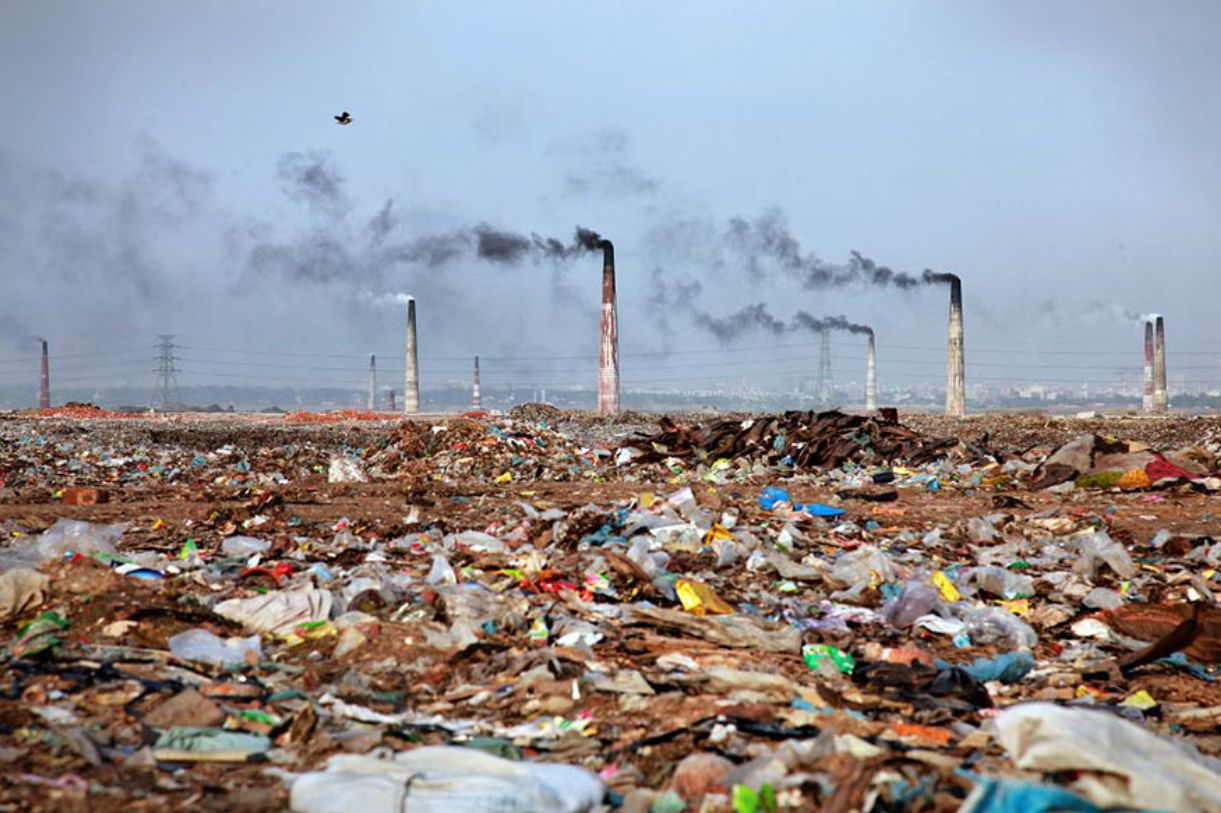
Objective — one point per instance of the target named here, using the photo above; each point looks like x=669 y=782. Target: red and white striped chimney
x=608 y=352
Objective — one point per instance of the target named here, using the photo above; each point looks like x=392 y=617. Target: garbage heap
x=403 y=631
x=485 y=450
x=797 y=440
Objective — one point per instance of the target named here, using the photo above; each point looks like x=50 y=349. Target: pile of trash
x=796 y=440
x=862 y=637
x=485 y=449
x=1093 y=461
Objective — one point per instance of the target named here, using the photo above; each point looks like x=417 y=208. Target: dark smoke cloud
x=312 y=178
x=875 y=274
x=756 y=317
x=764 y=246
x=603 y=165
x=382 y=223
x=804 y=321
x=747 y=320
x=331 y=249
x=17 y=336
x=663 y=298
x=931 y=277
x=497 y=245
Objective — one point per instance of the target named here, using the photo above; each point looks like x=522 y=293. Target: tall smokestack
x=955 y=373
x=608 y=354
x=871 y=376
x=371 y=400
x=1146 y=400
x=476 y=399
x=411 y=382
x=1161 y=399
x=44 y=379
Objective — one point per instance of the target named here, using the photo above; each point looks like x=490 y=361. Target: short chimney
x=371 y=398
x=476 y=398
x=44 y=379
x=1161 y=398
x=411 y=382
x=871 y=376
x=1146 y=400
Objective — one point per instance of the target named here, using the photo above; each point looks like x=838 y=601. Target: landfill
x=554 y=611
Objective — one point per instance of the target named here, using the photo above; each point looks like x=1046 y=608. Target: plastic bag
x=1118 y=764
x=278 y=612
x=1098 y=549
x=1000 y=582
x=1102 y=598
x=205 y=647
x=445 y=779
x=64 y=537
x=981 y=530
x=992 y=625
x=864 y=565
x=441 y=572
x=244 y=546
x=916 y=600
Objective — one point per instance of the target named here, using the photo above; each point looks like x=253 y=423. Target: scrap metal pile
x=802 y=440
x=510 y=614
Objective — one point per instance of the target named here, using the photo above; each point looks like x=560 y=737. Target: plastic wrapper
x=916 y=600
x=206 y=647
x=1000 y=582
x=993 y=625
x=445 y=779
x=1098 y=549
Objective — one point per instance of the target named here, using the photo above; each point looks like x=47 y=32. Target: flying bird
x=343 y=118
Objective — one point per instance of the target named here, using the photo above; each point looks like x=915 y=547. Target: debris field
x=551 y=611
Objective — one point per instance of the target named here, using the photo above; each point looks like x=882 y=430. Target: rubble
x=801 y=440
x=848 y=613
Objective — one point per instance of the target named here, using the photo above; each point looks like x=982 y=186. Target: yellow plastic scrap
x=647 y=499
x=1134 y=478
x=948 y=591
x=716 y=532
x=507 y=477
x=1019 y=606
x=1141 y=700
x=699 y=599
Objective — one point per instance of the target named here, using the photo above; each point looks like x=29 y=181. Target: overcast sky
x=173 y=167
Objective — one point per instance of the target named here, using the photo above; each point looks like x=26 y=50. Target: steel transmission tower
x=167 y=373
x=823 y=387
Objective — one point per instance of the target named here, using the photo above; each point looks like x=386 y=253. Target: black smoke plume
x=804 y=321
x=747 y=320
x=764 y=246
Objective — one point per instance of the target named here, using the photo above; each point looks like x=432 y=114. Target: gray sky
x=1060 y=156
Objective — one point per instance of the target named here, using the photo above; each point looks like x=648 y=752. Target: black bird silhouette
x=344 y=118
